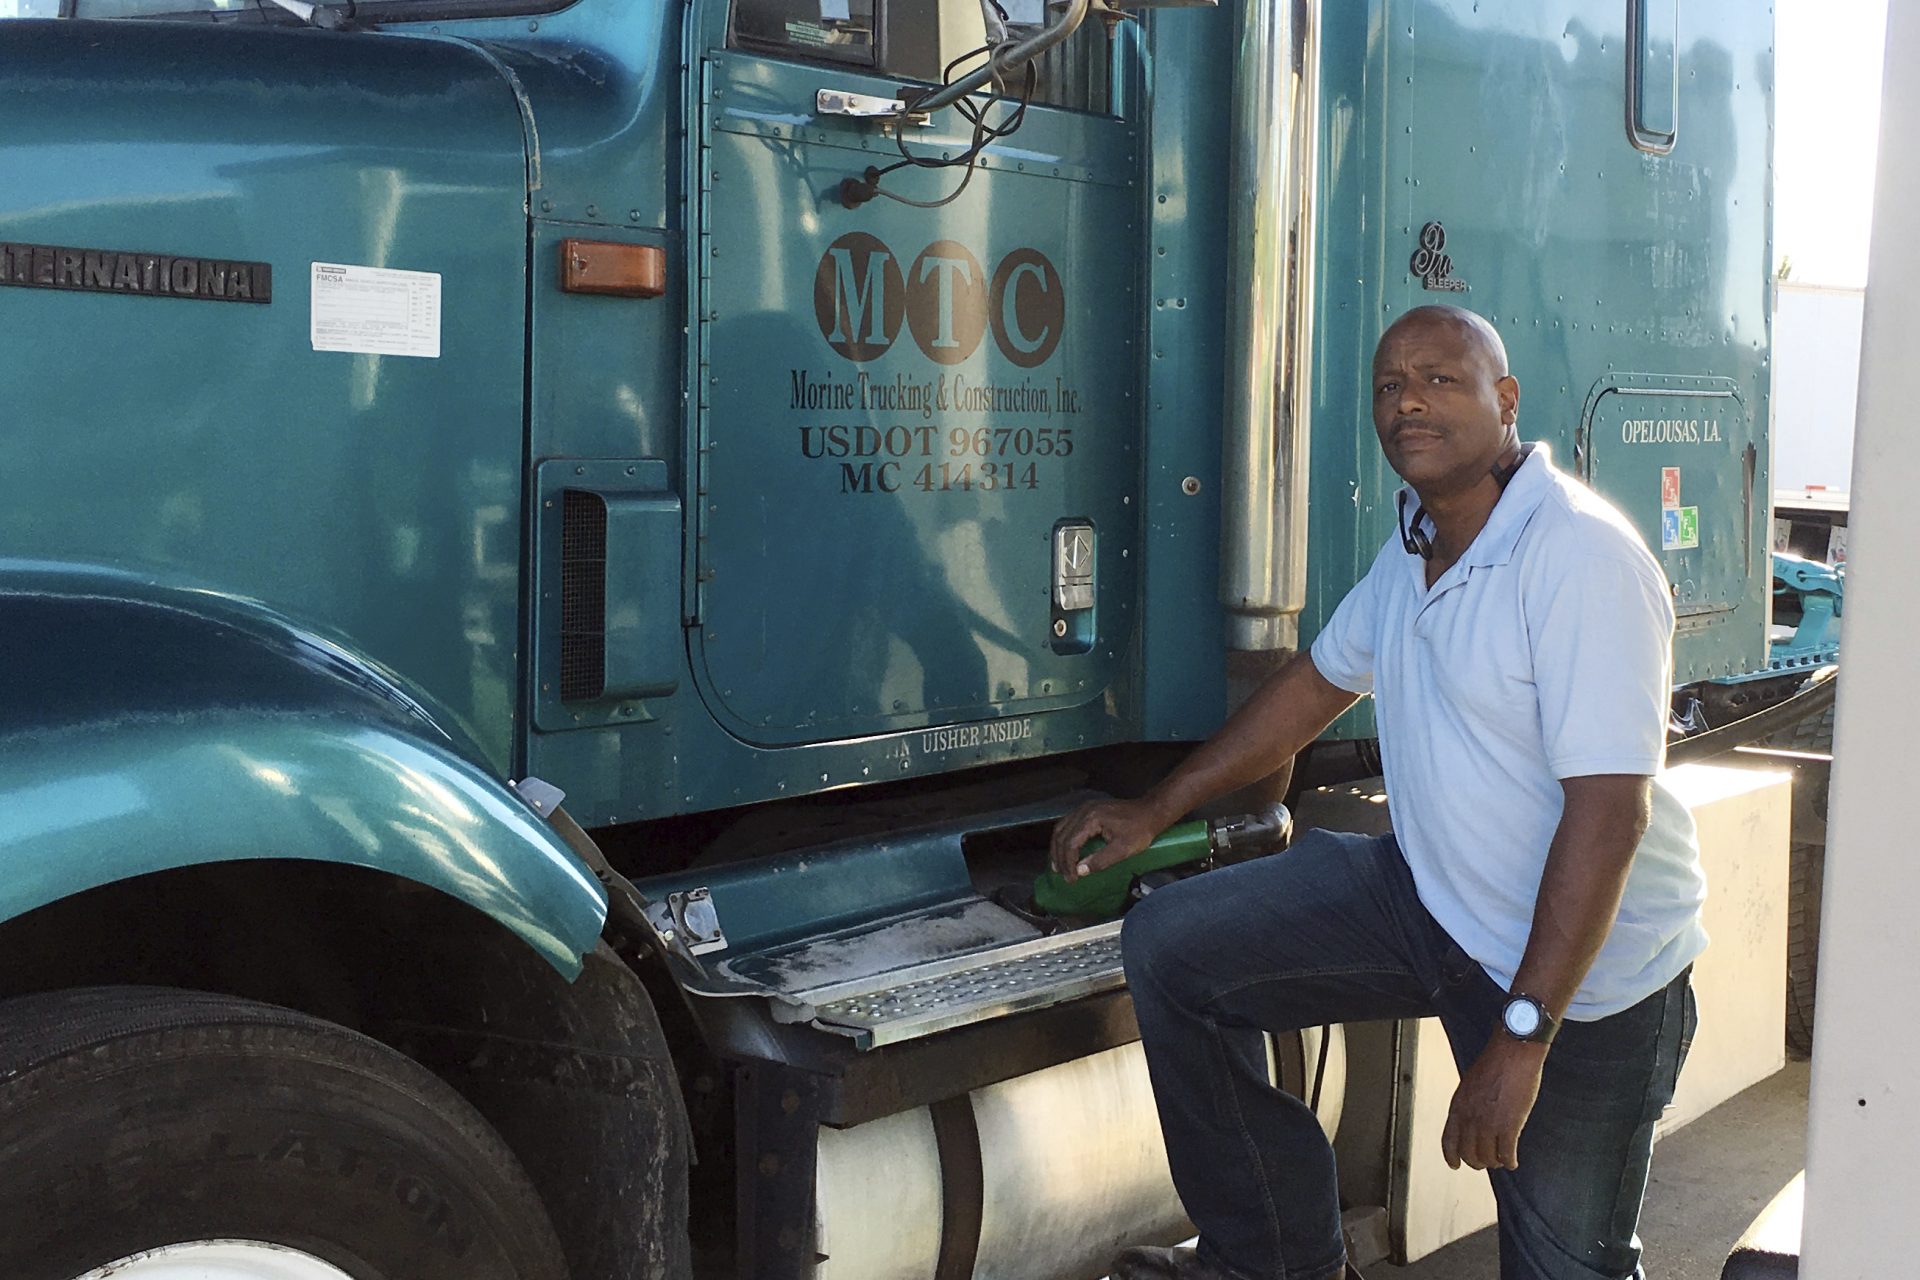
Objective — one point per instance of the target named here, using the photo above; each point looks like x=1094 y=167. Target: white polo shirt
x=1544 y=653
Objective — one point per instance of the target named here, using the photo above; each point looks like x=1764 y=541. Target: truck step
x=907 y=1003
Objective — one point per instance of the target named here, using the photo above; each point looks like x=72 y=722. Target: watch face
x=1522 y=1018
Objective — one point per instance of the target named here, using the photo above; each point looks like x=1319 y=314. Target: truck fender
x=143 y=729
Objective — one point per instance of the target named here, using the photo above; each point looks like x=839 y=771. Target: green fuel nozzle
x=1104 y=893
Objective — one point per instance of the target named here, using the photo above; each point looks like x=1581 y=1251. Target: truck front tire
x=134 y=1119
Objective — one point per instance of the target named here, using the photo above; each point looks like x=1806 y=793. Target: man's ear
x=1508 y=390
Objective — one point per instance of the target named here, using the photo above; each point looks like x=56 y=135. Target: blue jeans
x=1332 y=931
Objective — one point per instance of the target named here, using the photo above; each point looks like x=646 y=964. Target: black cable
x=1320 y=1070
x=878 y=190
x=946 y=72
x=983 y=134
x=855 y=192
x=976 y=116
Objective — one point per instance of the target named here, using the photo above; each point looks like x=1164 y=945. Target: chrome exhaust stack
x=1271 y=248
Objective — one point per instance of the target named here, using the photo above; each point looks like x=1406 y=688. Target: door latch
x=1073 y=567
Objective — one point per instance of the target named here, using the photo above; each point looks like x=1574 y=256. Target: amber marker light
x=618 y=270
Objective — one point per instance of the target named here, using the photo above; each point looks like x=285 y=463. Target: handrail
x=1654 y=142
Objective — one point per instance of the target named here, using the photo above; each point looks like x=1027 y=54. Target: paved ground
x=1709 y=1180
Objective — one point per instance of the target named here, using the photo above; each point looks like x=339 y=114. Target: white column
x=1863 y=1185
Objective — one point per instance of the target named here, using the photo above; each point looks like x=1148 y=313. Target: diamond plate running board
x=939 y=995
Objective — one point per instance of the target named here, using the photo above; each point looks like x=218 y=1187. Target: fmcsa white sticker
x=375 y=311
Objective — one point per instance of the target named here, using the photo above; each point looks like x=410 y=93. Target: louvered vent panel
x=583 y=597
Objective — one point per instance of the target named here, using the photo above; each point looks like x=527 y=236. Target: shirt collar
x=1522 y=497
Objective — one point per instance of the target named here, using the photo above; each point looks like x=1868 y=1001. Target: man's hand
x=1492 y=1104
x=1270 y=728
x=1127 y=826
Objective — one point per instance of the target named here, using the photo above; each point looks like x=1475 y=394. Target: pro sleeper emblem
x=1431 y=262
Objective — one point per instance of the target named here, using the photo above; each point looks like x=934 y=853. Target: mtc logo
x=861 y=294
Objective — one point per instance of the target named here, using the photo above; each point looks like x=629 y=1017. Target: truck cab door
x=914 y=424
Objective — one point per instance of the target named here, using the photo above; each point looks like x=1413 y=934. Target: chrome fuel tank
x=1071 y=1167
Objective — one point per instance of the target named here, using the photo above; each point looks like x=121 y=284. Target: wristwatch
x=1525 y=1018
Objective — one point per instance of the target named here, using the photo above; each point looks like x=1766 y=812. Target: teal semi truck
x=561 y=558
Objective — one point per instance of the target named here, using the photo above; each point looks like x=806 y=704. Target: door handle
x=866 y=106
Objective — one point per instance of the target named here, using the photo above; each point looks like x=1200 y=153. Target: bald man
x=1541 y=894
